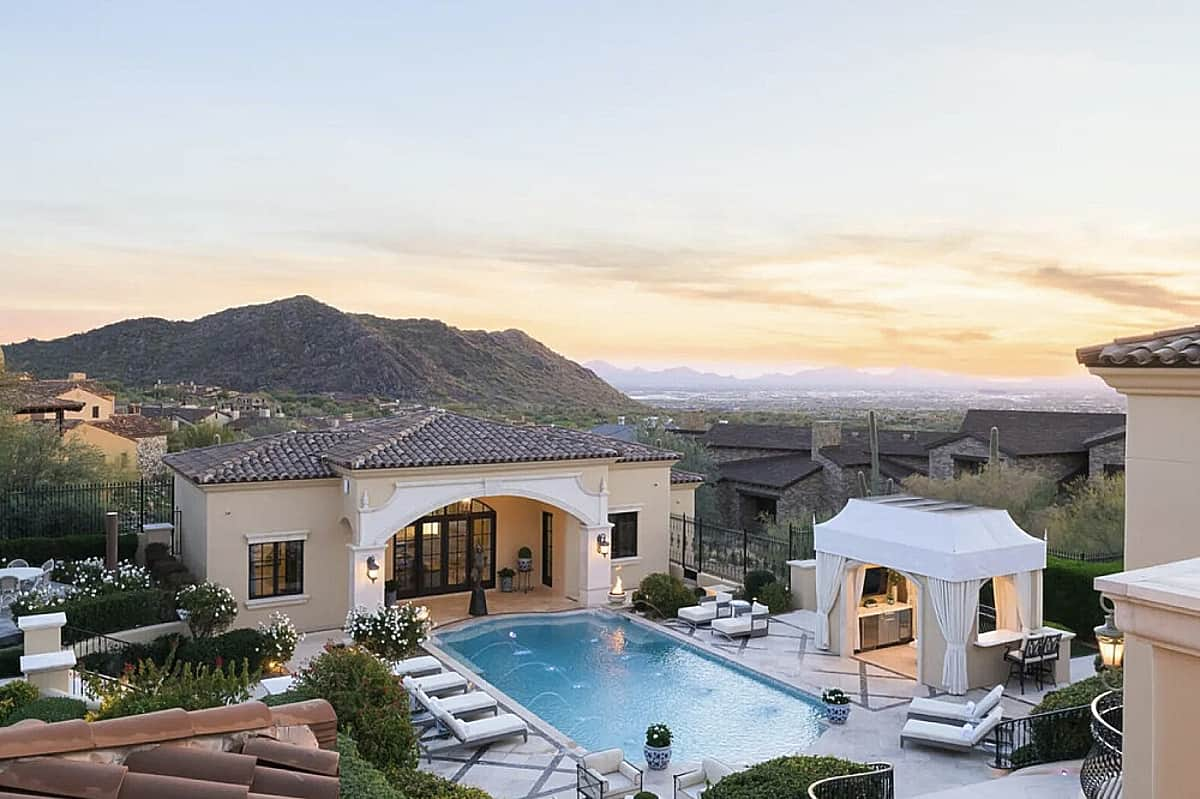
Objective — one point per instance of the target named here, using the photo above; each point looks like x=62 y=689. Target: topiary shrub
x=782 y=778
x=49 y=709
x=369 y=702
x=754 y=583
x=210 y=608
x=662 y=595
x=776 y=596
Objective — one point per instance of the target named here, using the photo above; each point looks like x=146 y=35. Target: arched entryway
x=437 y=553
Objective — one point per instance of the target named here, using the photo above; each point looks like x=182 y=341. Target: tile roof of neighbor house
x=624 y=432
x=54 y=387
x=60 y=759
x=759 y=436
x=774 y=471
x=129 y=425
x=682 y=476
x=1166 y=348
x=192 y=415
x=1027 y=433
x=423 y=438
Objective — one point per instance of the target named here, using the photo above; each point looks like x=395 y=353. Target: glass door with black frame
x=405 y=562
x=547 y=548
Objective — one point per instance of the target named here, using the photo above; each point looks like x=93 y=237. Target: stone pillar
x=157 y=533
x=362 y=591
x=45 y=663
x=595 y=570
x=110 y=540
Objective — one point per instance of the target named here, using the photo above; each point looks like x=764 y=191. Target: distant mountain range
x=303 y=345
x=683 y=378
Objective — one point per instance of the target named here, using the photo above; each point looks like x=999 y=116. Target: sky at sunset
x=740 y=186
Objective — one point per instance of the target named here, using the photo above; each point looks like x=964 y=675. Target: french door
x=436 y=554
x=547 y=548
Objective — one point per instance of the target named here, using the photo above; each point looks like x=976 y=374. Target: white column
x=45 y=663
x=362 y=590
x=595 y=570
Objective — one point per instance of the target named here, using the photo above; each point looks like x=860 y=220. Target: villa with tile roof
x=128 y=440
x=318 y=522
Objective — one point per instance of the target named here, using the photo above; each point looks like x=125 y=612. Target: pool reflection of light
x=616 y=641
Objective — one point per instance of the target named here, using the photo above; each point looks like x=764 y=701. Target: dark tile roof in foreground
x=776 y=471
x=1166 y=348
x=1025 y=433
x=413 y=440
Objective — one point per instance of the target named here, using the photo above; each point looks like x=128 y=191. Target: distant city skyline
x=739 y=189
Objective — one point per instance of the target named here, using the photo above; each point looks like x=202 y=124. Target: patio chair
x=437 y=685
x=472 y=703
x=476 y=733
x=1026 y=660
x=953 y=712
x=18 y=563
x=419 y=666
x=9 y=588
x=605 y=774
x=957 y=738
x=754 y=624
x=1051 y=645
x=693 y=784
x=708 y=609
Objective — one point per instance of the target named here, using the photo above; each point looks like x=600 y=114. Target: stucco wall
x=683 y=498
x=192 y=503
x=646 y=489
x=118 y=451
x=91 y=400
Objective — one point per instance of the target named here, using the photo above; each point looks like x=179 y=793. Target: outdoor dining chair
x=9 y=588
x=1048 y=666
x=1027 y=660
x=18 y=563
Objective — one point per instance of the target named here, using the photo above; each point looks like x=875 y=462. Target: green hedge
x=50 y=709
x=10 y=660
x=663 y=594
x=1068 y=595
x=67 y=547
x=1069 y=738
x=782 y=778
x=233 y=647
x=114 y=612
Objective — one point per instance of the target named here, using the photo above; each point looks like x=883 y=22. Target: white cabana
x=950 y=547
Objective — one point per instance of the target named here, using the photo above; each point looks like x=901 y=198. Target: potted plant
x=837 y=705
x=389 y=592
x=893 y=580
x=525 y=559
x=506 y=579
x=657 y=750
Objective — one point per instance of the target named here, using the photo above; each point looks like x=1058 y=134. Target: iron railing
x=878 y=783
x=729 y=553
x=79 y=509
x=1085 y=557
x=1100 y=776
x=1043 y=738
x=96 y=652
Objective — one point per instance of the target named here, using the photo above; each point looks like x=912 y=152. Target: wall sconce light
x=1109 y=638
x=372 y=568
x=602 y=544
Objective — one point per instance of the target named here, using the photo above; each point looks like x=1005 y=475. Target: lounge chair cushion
x=698 y=613
x=739 y=625
x=952 y=734
x=990 y=701
x=504 y=724
x=423 y=664
x=463 y=704
x=604 y=761
x=435 y=684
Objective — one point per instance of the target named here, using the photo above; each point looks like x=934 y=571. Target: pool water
x=601 y=679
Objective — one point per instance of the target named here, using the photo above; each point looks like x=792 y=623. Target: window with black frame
x=624 y=534
x=276 y=569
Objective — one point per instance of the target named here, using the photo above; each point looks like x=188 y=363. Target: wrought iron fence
x=48 y=511
x=98 y=657
x=700 y=546
x=878 y=783
x=1085 y=557
x=1043 y=738
x=1100 y=776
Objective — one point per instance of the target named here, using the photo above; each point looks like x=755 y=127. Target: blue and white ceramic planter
x=837 y=714
x=657 y=757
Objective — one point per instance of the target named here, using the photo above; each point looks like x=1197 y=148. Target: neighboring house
x=177 y=415
x=619 y=431
x=96 y=402
x=1157 y=602
x=1063 y=444
x=128 y=441
x=768 y=472
x=292 y=520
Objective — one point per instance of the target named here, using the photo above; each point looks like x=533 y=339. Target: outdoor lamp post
x=1109 y=638
x=372 y=568
x=602 y=544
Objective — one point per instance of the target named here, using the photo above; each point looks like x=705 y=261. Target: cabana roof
x=929 y=537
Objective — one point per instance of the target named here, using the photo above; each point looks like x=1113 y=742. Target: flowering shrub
x=90 y=576
x=389 y=633
x=279 y=638
x=658 y=735
x=210 y=608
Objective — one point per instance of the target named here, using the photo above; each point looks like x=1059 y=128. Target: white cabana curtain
x=830 y=570
x=1004 y=591
x=860 y=579
x=955 y=604
x=1024 y=590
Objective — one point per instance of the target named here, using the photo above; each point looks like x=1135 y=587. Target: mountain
x=303 y=345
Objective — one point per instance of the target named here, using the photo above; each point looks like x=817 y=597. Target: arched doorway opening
x=436 y=553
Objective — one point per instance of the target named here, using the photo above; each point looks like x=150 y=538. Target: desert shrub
x=148 y=686
x=782 y=778
x=16 y=695
x=1024 y=493
x=777 y=597
x=391 y=633
x=99 y=614
x=65 y=547
x=370 y=703
x=211 y=608
x=49 y=709
x=1069 y=595
x=1091 y=520
x=663 y=594
x=755 y=581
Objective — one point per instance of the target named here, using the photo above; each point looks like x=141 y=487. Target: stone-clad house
x=1064 y=444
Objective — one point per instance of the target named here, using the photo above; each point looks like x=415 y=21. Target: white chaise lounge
x=693 y=784
x=438 y=685
x=957 y=737
x=472 y=703
x=955 y=712
x=417 y=667
x=710 y=608
x=605 y=774
x=476 y=733
x=754 y=624
x=274 y=685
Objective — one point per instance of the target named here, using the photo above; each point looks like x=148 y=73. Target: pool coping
x=572 y=747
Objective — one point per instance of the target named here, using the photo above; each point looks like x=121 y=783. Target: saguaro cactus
x=994 y=448
x=873 y=436
x=863 y=490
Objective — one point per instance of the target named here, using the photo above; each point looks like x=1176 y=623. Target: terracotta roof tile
x=22 y=740
x=231 y=718
x=1178 y=348
x=161 y=725
x=195 y=764
x=300 y=758
x=130 y=425
x=159 y=786
x=683 y=476
x=280 y=782
x=316 y=714
x=59 y=777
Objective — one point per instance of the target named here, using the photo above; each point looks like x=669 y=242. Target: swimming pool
x=601 y=679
